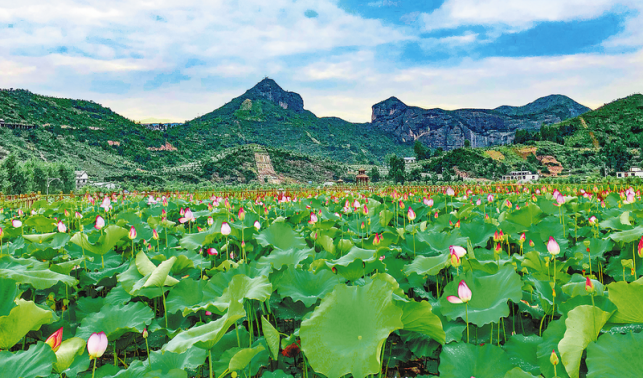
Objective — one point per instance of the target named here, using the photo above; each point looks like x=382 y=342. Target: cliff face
x=268 y=89
x=481 y=127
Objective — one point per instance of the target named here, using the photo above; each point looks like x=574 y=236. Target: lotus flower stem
x=210 y=362
x=594 y=316
x=383 y=352
x=115 y=356
x=466 y=311
x=164 y=306
x=149 y=358
x=94 y=369
x=236 y=328
x=491 y=333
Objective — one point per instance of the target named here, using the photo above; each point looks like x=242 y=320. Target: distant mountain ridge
x=448 y=130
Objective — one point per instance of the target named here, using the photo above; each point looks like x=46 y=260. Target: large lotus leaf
x=365 y=255
x=279 y=257
x=478 y=233
x=242 y=358
x=197 y=240
x=111 y=236
x=35 y=362
x=576 y=286
x=597 y=248
x=275 y=374
x=467 y=360
x=306 y=286
x=551 y=337
x=166 y=361
x=346 y=332
x=158 y=276
x=490 y=294
x=518 y=373
x=39 y=223
x=137 y=369
x=115 y=321
x=628 y=298
x=30 y=272
x=272 y=337
x=281 y=236
x=615 y=356
x=427 y=265
x=418 y=317
x=583 y=323
x=207 y=335
x=67 y=352
x=526 y=216
x=627 y=236
x=243 y=287
x=440 y=242
x=132 y=281
x=522 y=350
x=25 y=317
x=188 y=295
x=8 y=293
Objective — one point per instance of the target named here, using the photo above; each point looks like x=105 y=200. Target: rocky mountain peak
x=268 y=89
x=389 y=108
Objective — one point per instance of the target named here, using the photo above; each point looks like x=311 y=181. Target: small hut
x=362 y=177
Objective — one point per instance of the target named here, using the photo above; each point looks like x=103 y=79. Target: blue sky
x=180 y=59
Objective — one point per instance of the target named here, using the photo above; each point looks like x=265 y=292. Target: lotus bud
x=489 y=197
x=100 y=222
x=523 y=237
x=411 y=214
x=640 y=247
x=145 y=333
x=553 y=358
x=242 y=214
x=363 y=225
x=464 y=294
x=592 y=220
x=313 y=218
x=208 y=313
x=401 y=205
x=381 y=258
x=61 y=227
x=436 y=215
x=377 y=240
x=155 y=235
x=16 y=223
x=497 y=248
x=450 y=192
x=210 y=221
x=96 y=345
x=552 y=246
x=589 y=285
x=20 y=212
x=225 y=228
x=457 y=224
x=55 y=339
x=531 y=243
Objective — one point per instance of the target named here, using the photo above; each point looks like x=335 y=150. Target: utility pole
x=49 y=181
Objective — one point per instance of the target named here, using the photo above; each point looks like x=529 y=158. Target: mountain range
x=79 y=131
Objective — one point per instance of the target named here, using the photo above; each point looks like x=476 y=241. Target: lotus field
x=495 y=281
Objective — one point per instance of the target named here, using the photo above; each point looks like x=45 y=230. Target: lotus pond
x=521 y=282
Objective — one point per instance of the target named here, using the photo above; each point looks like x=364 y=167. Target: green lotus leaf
x=584 y=324
x=137 y=369
x=190 y=296
x=242 y=358
x=551 y=337
x=597 y=249
x=32 y=273
x=427 y=265
x=67 y=352
x=576 y=286
x=40 y=238
x=522 y=350
x=158 y=276
x=627 y=236
x=272 y=337
x=490 y=294
x=35 y=362
x=440 y=242
x=112 y=235
x=478 y=233
x=615 y=356
x=346 y=332
x=24 y=317
x=281 y=236
x=8 y=293
x=278 y=258
x=628 y=298
x=419 y=344
x=418 y=317
x=518 y=373
x=526 y=216
x=166 y=361
x=207 y=335
x=275 y=374
x=467 y=360
x=243 y=287
x=132 y=281
x=306 y=286
x=197 y=240
x=39 y=223
x=115 y=321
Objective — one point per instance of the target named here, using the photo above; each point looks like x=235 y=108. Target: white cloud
x=517 y=14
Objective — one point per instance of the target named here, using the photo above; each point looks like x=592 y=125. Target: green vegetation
x=35 y=176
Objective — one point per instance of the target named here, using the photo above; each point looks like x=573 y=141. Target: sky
x=177 y=60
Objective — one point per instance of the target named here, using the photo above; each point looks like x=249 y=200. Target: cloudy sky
x=180 y=59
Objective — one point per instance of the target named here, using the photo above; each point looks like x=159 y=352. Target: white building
x=520 y=176
x=633 y=172
x=409 y=160
x=81 y=179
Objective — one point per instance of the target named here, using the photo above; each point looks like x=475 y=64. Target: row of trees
x=35 y=176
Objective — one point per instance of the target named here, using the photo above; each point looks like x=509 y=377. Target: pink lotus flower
x=640 y=247
x=78 y=215
x=106 y=204
x=401 y=204
x=592 y=220
x=55 y=339
x=212 y=252
x=61 y=227
x=356 y=204
x=313 y=218
x=381 y=258
x=479 y=202
x=145 y=334
x=16 y=223
x=257 y=225
x=188 y=216
x=210 y=221
x=377 y=240
x=164 y=201
x=100 y=222
x=242 y=214
x=489 y=197
x=132 y=233
x=552 y=246
x=457 y=250
x=589 y=285
x=96 y=345
x=155 y=235
x=365 y=210
x=208 y=313
x=20 y=212
x=225 y=228
x=450 y=191
x=1 y=232
x=464 y=294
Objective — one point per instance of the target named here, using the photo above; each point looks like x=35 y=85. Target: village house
x=81 y=179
